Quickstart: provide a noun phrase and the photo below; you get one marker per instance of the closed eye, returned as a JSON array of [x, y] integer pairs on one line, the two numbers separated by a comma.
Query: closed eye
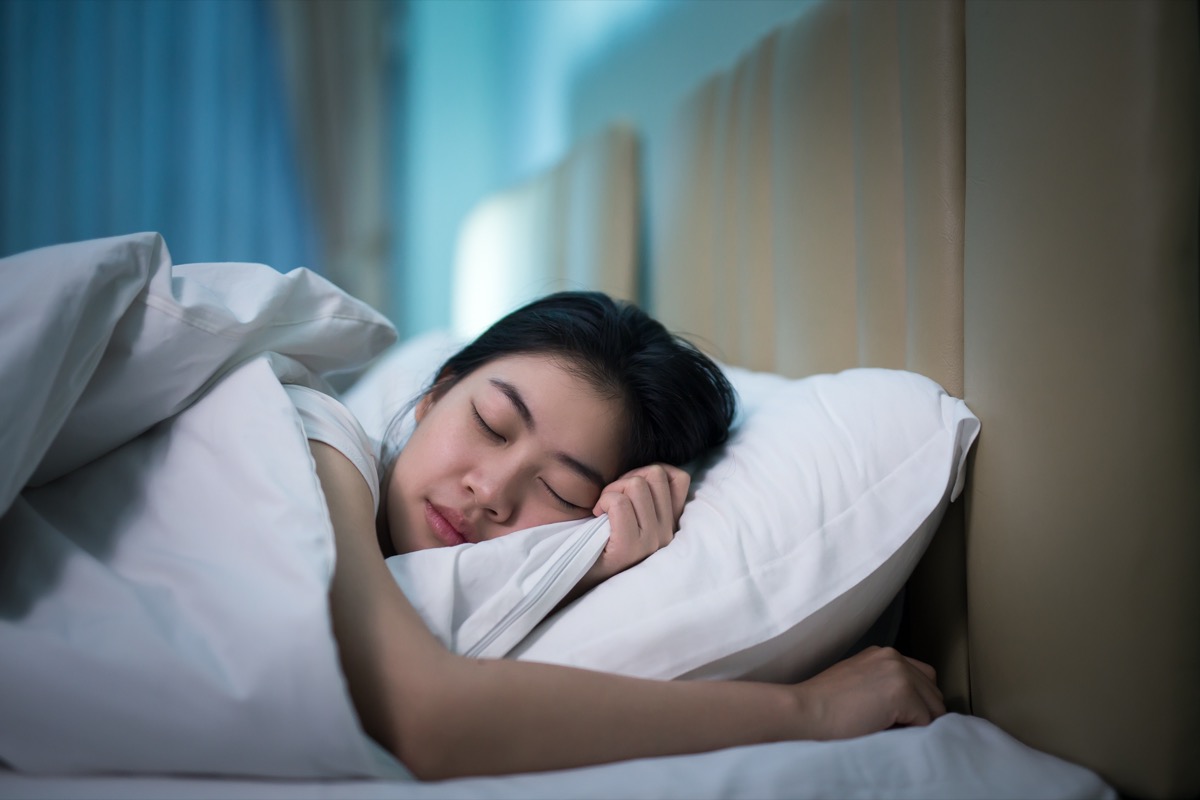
[[566, 504], [487, 430]]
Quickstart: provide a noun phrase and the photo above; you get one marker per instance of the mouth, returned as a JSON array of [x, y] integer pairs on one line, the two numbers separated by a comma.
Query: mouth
[[442, 528]]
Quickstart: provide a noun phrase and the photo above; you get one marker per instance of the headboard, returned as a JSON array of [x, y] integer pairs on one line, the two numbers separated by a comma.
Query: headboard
[[803, 232], [1004, 197]]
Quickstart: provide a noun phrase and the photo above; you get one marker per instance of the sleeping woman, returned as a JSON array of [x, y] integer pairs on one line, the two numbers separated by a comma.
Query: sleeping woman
[[573, 406]]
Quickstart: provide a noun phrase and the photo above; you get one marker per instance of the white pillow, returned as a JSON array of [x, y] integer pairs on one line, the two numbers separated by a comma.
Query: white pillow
[[800, 531]]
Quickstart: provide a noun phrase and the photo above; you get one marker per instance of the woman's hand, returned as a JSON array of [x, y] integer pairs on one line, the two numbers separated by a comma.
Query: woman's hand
[[877, 689], [643, 507]]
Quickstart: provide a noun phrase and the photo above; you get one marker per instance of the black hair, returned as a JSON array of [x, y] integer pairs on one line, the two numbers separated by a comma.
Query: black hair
[[677, 401]]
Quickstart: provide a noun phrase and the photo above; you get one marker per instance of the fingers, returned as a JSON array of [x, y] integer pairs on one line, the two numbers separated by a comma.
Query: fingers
[[636, 516], [621, 516], [678, 481], [928, 690], [652, 503], [926, 670], [874, 690], [919, 688], [658, 488], [643, 506]]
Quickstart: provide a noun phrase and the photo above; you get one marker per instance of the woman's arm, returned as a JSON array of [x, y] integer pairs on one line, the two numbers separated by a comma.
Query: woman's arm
[[444, 715]]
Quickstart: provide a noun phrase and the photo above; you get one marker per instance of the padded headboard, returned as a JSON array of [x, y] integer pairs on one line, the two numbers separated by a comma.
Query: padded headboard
[[813, 221], [572, 226], [1002, 196]]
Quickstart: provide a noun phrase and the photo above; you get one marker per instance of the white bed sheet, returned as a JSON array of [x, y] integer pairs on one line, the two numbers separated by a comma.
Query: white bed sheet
[[958, 756]]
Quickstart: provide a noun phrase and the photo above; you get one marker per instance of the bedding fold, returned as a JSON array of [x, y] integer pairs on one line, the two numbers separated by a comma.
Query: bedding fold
[[163, 609], [482, 599]]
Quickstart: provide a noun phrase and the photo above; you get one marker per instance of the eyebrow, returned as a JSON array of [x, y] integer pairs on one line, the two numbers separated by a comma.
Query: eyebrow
[[523, 412]]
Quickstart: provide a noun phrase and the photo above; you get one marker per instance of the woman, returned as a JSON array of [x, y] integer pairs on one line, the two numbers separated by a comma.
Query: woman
[[574, 405]]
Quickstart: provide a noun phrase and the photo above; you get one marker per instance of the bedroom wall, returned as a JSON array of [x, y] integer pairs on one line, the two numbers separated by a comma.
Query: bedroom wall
[[498, 91]]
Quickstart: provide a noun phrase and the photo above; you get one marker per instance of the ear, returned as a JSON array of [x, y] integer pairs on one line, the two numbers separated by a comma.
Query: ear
[[423, 405], [433, 395]]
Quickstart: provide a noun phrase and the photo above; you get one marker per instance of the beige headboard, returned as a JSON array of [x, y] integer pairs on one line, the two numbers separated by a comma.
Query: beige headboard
[[572, 226], [1003, 196], [814, 221]]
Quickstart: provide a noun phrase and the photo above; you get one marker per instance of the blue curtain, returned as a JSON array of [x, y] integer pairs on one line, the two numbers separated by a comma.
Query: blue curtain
[[132, 115]]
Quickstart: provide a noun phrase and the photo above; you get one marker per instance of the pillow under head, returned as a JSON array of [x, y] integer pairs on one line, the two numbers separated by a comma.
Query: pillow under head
[[800, 530]]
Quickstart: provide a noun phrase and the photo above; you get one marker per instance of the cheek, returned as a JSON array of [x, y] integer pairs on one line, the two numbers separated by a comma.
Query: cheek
[[412, 479], [434, 454], [395, 508], [393, 493]]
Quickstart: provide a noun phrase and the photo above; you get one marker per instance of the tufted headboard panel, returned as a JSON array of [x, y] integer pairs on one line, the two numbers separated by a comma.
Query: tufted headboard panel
[[813, 221], [1083, 360], [1003, 196]]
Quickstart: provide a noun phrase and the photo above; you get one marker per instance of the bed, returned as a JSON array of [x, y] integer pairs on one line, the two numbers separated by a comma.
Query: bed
[[948, 253]]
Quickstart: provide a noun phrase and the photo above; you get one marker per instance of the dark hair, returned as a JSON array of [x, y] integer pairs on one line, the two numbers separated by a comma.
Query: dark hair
[[678, 402]]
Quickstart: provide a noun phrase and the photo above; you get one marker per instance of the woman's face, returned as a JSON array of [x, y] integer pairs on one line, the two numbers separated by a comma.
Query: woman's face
[[519, 442]]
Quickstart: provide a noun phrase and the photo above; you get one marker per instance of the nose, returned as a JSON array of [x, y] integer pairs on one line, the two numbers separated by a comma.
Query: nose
[[492, 487]]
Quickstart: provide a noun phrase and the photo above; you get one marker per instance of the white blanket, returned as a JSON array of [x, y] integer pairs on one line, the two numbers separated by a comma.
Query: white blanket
[[956, 758], [164, 607], [165, 567]]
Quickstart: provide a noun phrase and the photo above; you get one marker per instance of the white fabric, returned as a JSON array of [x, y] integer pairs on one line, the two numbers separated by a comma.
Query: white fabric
[[800, 532], [165, 607], [481, 601], [56, 316], [163, 599], [955, 758], [326, 420], [103, 338]]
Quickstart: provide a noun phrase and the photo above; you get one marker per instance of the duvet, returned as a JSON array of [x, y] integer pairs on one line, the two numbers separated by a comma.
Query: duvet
[[164, 547], [167, 559]]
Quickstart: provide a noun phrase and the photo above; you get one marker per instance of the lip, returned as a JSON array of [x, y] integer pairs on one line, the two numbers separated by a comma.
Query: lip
[[439, 522]]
